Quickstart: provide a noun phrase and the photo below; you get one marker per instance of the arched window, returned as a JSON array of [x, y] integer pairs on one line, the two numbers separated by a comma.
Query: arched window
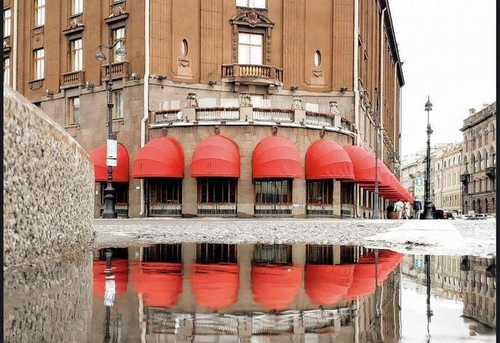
[[473, 163], [184, 48], [492, 157], [317, 58], [485, 159], [478, 161]]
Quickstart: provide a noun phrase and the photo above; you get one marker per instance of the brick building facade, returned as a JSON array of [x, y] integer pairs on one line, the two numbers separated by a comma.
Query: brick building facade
[[301, 70]]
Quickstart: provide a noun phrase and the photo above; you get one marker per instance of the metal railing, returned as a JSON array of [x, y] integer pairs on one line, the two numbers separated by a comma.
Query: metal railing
[[274, 115], [217, 114]]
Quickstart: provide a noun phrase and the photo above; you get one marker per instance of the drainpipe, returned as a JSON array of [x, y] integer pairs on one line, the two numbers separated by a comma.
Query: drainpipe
[[356, 71], [381, 107], [14, 46], [146, 88], [356, 93]]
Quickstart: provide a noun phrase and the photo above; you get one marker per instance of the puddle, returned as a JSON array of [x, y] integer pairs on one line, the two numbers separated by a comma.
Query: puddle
[[201, 292]]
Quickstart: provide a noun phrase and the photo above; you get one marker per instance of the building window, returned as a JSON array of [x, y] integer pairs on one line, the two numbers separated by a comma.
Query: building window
[[215, 190], [118, 105], [320, 193], [209, 253], [39, 13], [273, 192], [317, 58], [39, 64], [164, 197], [250, 48], [251, 3], [76, 7], [6, 22], [118, 35], [6, 71], [184, 48], [76, 51], [73, 111]]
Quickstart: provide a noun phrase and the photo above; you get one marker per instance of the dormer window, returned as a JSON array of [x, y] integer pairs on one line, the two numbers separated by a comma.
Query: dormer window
[[251, 3]]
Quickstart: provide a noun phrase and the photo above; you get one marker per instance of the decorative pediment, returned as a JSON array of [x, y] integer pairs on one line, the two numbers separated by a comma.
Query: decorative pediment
[[252, 19]]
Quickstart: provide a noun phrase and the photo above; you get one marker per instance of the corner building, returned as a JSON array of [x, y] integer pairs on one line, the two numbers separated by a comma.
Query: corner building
[[217, 102]]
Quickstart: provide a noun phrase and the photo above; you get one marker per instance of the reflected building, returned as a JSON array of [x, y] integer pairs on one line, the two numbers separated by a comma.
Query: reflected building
[[257, 292], [464, 278]]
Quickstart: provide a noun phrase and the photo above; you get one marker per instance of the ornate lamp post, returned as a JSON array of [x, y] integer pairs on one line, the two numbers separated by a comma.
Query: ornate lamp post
[[109, 192], [428, 204]]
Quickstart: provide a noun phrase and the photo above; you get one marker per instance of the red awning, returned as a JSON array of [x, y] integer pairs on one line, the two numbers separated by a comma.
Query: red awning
[[364, 166], [328, 160], [216, 156], [159, 283], [120, 271], [276, 157], [363, 281], [387, 263], [275, 287], [215, 286], [162, 157], [120, 172], [327, 284]]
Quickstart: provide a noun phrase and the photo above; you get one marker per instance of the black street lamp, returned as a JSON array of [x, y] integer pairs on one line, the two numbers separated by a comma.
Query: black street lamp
[[109, 192], [428, 204]]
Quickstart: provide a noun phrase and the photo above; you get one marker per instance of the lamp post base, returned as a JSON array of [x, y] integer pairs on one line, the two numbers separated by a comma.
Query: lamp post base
[[109, 211], [428, 210]]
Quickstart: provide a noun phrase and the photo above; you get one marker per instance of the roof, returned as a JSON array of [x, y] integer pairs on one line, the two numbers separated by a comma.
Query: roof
[[480, 116]]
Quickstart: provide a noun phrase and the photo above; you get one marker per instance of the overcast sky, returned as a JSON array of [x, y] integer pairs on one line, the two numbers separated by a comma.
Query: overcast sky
[[449, 52]]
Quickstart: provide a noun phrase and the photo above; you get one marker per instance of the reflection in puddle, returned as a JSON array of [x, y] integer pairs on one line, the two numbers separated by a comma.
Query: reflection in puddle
[[254, 293]]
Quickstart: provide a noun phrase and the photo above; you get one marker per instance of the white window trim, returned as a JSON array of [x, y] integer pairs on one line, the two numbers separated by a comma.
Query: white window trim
[[7, 22]]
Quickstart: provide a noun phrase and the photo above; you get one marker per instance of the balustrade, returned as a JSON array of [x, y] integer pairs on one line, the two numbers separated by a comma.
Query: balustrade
[[252, 72], [273, 115], [217, 114], [169, 116], [73, 78]]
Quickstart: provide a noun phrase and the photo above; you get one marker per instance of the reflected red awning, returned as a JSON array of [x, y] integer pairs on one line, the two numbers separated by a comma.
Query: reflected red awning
[[120, 271], [216, 156], [162, 157], [327, 284], [159, 283], [274, 286], [276, 157], [388, 261], [328, 160], [120, 172], [363, 281], [215, 286]]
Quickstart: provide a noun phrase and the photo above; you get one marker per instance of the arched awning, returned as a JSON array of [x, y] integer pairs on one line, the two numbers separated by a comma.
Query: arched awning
[[364, 166], [327, 284], [215, 286], [363, 281], [328, 160], [276, 157], [120, 271], [162, 157], [388, 261], [216, 156], [275, 287], [159, 283], [120, 172]]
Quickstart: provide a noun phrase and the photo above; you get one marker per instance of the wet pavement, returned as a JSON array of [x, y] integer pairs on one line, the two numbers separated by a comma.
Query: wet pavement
[[207, 292], [436, 237]]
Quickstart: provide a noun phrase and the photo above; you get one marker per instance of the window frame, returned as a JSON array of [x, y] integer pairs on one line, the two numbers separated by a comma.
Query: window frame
[[39, 13], [38, 64], [73, 117], [74, 8], [115, 37], [248, 4], [251, 47], [76, 55], [6, 71], [7, 22], [118, 106]]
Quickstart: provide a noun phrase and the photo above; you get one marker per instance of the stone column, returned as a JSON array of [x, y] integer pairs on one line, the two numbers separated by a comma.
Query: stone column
[[245, 257], [299, 198], [186, 300], [337, 201], [299, 111]]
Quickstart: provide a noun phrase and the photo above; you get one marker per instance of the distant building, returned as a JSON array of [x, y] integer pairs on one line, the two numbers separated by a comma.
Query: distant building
[[445, 171], [479, 161]]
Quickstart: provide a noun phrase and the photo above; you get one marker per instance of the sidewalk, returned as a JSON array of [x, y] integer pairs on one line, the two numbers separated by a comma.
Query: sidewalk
[[437, 237]]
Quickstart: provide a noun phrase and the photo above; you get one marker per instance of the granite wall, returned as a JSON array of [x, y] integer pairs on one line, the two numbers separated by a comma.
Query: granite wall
[[48, 187]]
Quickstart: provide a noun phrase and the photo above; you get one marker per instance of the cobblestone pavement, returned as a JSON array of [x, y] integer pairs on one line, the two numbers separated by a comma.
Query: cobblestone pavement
[[437, 237]]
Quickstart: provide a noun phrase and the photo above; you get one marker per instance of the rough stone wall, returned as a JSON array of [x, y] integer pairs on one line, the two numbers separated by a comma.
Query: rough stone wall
[[48, 187]]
